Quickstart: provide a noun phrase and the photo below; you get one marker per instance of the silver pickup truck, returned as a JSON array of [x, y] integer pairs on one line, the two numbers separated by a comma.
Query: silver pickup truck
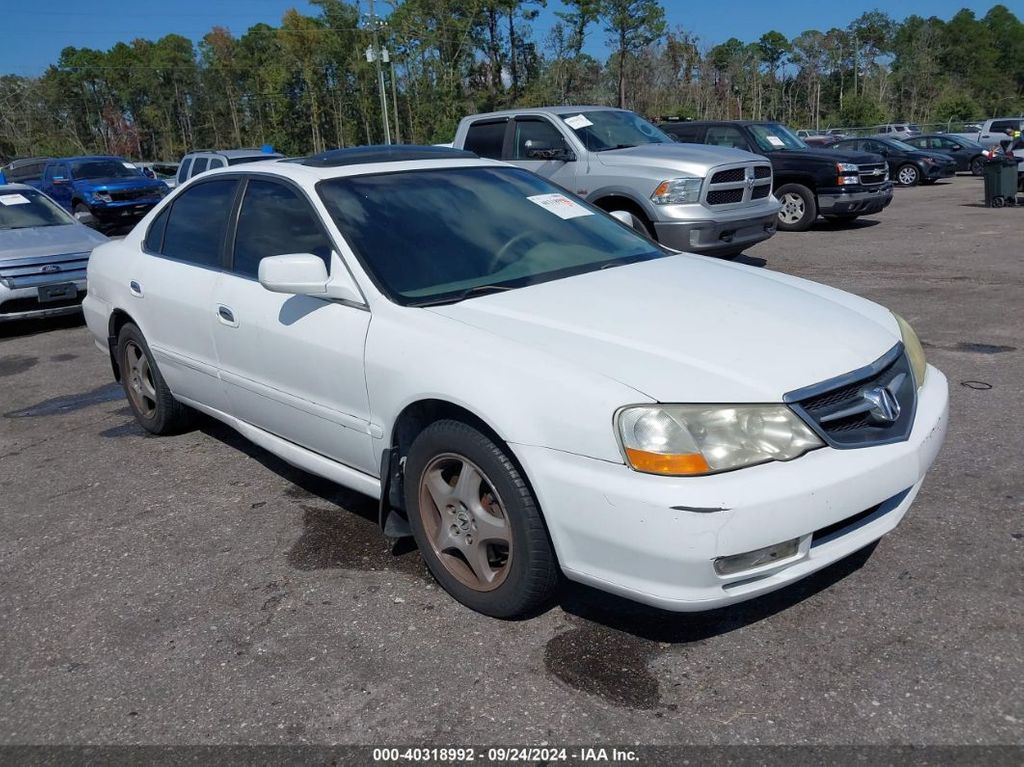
[[702, 199]]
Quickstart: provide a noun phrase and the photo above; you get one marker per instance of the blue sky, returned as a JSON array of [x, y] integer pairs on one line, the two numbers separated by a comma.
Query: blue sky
[[33, 33]]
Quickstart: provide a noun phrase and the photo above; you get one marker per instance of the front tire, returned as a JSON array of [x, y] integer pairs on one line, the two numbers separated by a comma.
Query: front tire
[[799, 208], [477, 523], [151, 401], [908, 175]]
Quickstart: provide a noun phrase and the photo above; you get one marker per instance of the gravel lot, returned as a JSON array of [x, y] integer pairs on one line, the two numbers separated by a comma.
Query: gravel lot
[[196, 589]]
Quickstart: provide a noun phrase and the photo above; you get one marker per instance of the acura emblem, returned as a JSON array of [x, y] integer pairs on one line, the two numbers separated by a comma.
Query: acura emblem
[[49, 268], [885, 408]]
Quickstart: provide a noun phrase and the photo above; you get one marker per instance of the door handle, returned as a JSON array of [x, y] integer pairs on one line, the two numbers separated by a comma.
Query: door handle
[[226, 316], [135, 289]]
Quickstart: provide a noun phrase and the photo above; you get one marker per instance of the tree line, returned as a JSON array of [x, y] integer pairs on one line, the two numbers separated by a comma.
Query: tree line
[[306, 85]]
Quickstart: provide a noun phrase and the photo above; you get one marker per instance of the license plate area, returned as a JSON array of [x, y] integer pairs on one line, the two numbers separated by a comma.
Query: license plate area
[[60, 291]]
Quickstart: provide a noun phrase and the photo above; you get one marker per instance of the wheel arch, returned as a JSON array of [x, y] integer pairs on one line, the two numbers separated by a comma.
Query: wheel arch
[[807, 180], [410, 422], [118, 319], [609, 201]]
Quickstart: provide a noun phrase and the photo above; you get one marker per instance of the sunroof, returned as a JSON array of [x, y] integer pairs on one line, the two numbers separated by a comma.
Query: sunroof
[[361, 155]]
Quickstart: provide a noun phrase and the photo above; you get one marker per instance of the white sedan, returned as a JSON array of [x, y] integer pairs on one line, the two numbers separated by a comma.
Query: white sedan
[[531, 388]]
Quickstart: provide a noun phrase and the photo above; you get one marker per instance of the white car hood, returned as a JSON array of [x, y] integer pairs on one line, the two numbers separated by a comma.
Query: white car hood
[[691, 329]]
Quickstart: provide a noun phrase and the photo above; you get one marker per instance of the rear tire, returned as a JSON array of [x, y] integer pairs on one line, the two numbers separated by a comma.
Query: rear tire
[[977, 166], [477, 523], [152, 403], [799, 208]]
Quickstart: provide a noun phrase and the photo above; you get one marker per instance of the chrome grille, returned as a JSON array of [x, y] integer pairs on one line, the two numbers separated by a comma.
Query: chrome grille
[[738, 184], [43, 270], [874, 173], [844, 417]]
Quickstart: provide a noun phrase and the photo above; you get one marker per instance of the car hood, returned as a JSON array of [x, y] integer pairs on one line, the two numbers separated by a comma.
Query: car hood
[[835, 155], [686, 328], [48, 241], [693, 158]]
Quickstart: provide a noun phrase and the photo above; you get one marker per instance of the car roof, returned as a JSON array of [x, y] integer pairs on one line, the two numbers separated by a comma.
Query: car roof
[[358, 161], [234, 153], [559, 110]]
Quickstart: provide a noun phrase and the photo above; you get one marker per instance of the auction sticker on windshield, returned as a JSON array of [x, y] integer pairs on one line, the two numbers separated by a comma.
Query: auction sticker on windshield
[[775, 141], [560, 205], [578, 121], [13, 199]]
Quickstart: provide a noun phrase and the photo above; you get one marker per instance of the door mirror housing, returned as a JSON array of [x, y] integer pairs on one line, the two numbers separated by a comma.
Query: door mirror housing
[[303, 274]]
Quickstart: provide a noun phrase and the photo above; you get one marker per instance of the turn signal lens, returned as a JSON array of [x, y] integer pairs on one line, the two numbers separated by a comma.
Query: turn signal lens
[[656, 463]]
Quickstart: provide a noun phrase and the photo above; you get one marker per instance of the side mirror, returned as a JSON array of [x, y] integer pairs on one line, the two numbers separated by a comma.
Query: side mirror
[[304, 274]]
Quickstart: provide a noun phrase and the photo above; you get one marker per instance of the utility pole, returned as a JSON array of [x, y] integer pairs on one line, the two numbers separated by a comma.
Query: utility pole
[[394, 93], [373, 54]]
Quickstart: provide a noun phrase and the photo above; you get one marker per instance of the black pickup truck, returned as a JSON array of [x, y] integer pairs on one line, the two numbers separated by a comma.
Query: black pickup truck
[[837, 184]]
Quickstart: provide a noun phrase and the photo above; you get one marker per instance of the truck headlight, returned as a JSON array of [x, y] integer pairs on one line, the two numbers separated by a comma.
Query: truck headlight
[[846, 167], [681, 440], [677, 191], [915, 351]]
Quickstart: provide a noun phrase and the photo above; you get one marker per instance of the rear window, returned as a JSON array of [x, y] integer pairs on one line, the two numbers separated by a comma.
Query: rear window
[[486, 139]]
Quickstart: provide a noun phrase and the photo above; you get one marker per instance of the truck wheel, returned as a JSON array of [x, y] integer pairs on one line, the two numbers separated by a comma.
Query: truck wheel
[[799, 208], [978, 166], [908, 175], [83, 214]]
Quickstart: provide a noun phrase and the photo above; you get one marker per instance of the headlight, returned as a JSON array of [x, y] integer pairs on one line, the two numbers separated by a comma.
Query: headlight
[[677, 191], [915, 352], [682, 440], [846, 167]]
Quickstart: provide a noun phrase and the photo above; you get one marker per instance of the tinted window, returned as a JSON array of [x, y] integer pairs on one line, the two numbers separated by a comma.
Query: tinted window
[[199, 164], [725, 135], [486, 139], [155, 235], [183, 170], [56, 171], [999, 126], [534, 138], [686, 133], [275, 220], [196, 224], [216, 162], [430, 236], [254, 158], [104, 168]]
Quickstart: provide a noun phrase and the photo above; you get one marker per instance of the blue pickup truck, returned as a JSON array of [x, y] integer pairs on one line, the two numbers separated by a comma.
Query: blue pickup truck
[[102, 192]]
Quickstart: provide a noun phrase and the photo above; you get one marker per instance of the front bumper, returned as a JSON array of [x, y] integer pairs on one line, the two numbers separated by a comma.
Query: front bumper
[[721, 235], [863, 202], [654, 539], [122, 211], [25, 303], [936, 171]]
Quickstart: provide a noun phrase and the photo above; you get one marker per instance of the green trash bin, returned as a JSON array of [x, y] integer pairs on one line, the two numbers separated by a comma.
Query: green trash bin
[[1000, 181]]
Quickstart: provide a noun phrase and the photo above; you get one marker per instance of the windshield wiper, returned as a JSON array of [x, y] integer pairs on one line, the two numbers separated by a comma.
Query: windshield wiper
[[476, 290]]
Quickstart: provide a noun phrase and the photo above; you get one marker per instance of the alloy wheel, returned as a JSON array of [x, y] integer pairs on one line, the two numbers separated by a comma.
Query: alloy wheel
[[907, 176], [465, 522], [139, 376]]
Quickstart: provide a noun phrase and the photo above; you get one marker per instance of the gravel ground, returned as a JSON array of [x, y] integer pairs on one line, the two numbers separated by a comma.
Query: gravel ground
[[197, 590]]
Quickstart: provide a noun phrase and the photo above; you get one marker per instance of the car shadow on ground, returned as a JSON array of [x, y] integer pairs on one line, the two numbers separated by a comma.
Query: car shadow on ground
[[825, 225], [21, 328]]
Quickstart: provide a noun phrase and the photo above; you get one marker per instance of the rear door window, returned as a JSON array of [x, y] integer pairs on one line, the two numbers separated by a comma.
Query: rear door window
[[183, 170], [726, 135], [198, 221], [486, 139]]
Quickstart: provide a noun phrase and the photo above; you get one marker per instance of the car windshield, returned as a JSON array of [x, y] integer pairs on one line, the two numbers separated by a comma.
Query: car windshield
[[770, 137], [438, 236], [604, 129], [27, 209], [104, 169]]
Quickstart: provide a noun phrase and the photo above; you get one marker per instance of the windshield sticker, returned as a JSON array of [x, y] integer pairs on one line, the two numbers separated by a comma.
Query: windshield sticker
[[129, 166], [775, 141], [560, 205], [578, 121], [13, 199]]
